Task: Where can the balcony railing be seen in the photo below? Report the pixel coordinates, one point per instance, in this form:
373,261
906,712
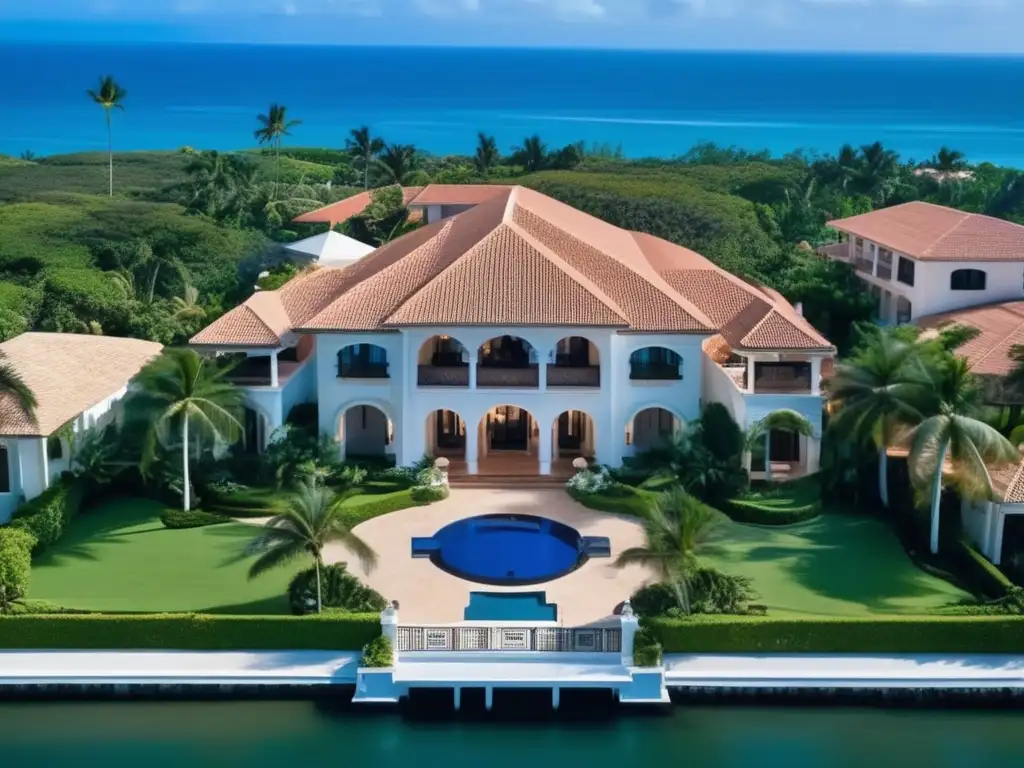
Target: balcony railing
443,376
363,371
885,271
655,372
574,376
578,639
864,265
798,385
488,376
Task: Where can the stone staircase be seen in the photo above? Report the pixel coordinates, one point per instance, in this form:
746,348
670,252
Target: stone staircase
509,482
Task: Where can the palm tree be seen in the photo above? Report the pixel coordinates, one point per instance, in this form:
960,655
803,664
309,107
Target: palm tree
274,126
12,385
953,432
879,171
675,528
180,389
784,420
362,146
877,392
947,160
487,154
109,95
532,154
400,161
313,518
186,306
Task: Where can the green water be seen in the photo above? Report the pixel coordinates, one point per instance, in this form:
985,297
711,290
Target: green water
300,733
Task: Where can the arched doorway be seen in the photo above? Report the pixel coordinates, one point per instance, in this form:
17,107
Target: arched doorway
509,442
573,436
365,431
446,434
255,431
651,426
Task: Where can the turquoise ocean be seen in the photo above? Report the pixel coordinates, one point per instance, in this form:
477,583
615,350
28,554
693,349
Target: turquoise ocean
649,103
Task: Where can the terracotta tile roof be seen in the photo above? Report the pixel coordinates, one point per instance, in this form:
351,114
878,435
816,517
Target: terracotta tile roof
568,268
1001,326
351,206
457,194
68,373
933,232
260,322
1008,483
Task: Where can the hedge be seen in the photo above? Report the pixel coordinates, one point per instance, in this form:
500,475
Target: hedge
755,513
46,516
360,513
191,632
15,564
194,518
979,573
925,634
623,500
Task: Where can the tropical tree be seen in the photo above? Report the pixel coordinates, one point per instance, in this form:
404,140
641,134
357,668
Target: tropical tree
364,148
877,393
181,390
948,160
879,172
955,433
13,386
313,518
110,96
784,420
676,526
487,154
274,126
400,161
532,154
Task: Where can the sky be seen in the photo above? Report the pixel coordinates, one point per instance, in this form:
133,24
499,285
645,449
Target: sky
936,26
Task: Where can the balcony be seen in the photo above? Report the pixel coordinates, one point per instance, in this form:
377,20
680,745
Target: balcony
779,382
255,372
865,265
443,376
655,372
837,252
574,376
363,370
507,376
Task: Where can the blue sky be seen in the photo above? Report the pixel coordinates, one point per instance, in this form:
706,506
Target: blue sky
980,26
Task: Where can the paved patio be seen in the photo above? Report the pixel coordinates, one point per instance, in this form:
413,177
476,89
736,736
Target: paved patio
428,595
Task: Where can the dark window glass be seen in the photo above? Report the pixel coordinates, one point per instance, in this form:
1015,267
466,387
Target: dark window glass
5,471
363,360
905,271
54,450
967,280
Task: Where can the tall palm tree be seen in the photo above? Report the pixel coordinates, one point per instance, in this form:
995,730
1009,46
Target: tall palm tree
784,420
109,95
313,518
947,160
400,161
955,433
879,171
532,154
675,528
274,126
487,154
362,146
877,392
12,385
181,389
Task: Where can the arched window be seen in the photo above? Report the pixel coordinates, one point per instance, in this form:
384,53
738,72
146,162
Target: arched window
967,280
655,363
54,449
363,361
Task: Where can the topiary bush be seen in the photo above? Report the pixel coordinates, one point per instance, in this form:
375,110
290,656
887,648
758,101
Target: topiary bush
339,590
194,518
378,653
15,565
47,515
427,494
646,649
711,591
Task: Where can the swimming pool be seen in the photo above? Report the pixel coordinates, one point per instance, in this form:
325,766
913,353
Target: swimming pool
509,606
509,550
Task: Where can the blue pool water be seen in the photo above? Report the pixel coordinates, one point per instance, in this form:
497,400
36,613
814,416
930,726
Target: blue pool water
509,606
507,550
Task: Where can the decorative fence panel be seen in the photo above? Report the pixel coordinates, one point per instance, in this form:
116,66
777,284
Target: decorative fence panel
579,639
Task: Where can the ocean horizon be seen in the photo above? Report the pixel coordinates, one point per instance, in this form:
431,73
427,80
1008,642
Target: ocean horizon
649,103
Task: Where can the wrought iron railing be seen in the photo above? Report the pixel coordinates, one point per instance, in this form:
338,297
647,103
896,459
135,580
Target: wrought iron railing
487,376
443,376
579,639
574,376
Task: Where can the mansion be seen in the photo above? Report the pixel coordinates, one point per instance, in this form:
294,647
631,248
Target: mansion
510,324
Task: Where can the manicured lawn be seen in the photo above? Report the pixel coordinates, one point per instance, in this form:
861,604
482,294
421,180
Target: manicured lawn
834,565
119,557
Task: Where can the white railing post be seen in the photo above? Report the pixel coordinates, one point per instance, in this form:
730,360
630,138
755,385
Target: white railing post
389,628
630,623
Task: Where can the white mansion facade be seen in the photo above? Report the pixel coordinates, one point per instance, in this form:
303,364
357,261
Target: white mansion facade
511,324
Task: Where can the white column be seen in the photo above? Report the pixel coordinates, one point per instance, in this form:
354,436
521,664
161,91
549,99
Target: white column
988,534
472,371
273,369
750,375
544,450
389,628
542,375
815,375
472,448
997,545
629,624
812,461
35,470
874,260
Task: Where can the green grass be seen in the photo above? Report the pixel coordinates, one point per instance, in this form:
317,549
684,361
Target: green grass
119,557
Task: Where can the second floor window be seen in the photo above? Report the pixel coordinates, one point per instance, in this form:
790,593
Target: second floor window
967,280
363,361
655,363
905,271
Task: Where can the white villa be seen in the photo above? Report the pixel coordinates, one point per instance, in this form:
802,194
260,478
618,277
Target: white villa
79,381
512,325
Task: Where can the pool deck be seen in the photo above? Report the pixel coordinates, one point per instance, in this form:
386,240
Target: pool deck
710,672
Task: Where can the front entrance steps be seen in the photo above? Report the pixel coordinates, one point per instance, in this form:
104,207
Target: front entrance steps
510,471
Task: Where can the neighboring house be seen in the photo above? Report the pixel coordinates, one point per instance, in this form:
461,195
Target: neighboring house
522,327
920,259
328,249
78,380
984,521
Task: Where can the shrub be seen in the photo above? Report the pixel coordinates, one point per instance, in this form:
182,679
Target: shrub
620,500
339,589
190,632
47,515
15,565
711,591
981,575
194,518
587,481
360,513
378,653
427,494
646,649
925,634
787,503
720,433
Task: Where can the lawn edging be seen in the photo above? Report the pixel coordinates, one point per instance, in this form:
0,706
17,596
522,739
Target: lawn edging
188,632
916,634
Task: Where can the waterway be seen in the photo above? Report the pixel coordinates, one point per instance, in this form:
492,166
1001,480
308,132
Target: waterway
293,733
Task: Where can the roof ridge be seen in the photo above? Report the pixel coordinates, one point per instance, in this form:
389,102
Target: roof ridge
662,285
965,217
